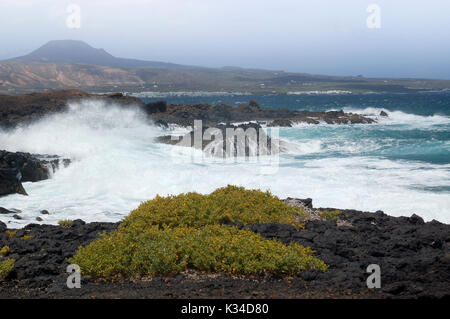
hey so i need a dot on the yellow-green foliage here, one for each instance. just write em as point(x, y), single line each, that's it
point(4, 251)
point(228, 204)
point(27, 237)
point(330, 215)
point(11, 233)
point(5, 267)
point(171, 250)
point(65, 223)
point(172, 234)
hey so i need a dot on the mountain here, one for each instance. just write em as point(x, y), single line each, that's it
point(72, 51)
point(75, 64)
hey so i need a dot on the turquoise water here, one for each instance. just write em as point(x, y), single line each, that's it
point(400, 165)
point(418, 128)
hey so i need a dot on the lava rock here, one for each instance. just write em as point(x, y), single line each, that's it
point(155, 107)
point(213, 115)
point(280, 123)
point(27, 108)
point(4, 211)
point(16, 168)
point(10, 182)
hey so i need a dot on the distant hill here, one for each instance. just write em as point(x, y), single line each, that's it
point(72, 51)
point(75, 64)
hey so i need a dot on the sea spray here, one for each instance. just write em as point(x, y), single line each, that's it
point(117, 165)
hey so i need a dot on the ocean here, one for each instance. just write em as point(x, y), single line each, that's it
point(400, 165)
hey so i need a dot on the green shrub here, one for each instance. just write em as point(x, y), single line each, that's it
point(4, 251)
point(6, 266)
point(213, 248)
point(168, 235)
point(228, 204)
point(330, 215)
point(27, 237)
point(65, 223)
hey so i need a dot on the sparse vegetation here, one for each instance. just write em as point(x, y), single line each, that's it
point(65, 223)
point(27, 237)
point(330, 215)
point(6, 266)
point(11, 233)
point(4, 251)
point(168, 235)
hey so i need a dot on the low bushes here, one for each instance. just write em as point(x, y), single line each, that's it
point(11, 233)
point(228, 204)
point(172, 234)
point(4, 251)
point(172, 250)
point(6, 266)
point(66, 223)
point(330, 214)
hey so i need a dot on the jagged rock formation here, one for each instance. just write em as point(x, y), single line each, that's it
point(18, 109)
point(184, 115)
point(16, 168)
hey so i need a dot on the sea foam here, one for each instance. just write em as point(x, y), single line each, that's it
point(117, 165)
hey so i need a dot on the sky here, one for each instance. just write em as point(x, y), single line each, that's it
point(403, 38)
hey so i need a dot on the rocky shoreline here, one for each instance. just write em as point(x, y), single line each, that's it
point(19, 167)
point(414, 257)
point(23, 109)
point(213, 115)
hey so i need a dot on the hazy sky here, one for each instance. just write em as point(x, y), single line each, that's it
point(314, 36)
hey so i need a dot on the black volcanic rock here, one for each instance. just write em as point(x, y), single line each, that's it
point(280, 123)
point(409, 251)
point(414, 260)
point(245, 140)
point(10, 182)
point(155, 107)
point(18, 109)
point(5, 211)
point(16, 168)
point(184, 115)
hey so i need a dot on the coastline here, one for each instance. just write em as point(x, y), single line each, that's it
point(413, 256)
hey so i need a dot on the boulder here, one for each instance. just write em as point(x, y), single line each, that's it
point(2, 227)
point(383, 113)
point(155, 107)
point(280, 123)
point(16, 168)
point(10, 182)
point(4, 211)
